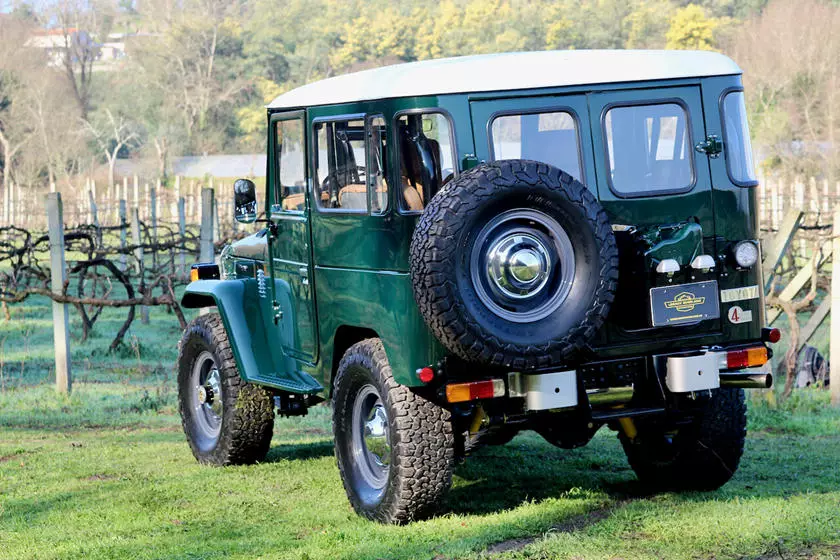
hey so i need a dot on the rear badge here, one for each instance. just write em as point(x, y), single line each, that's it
point(739, 294)
point(737, 315)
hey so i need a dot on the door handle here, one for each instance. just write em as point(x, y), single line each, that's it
point(304, 275)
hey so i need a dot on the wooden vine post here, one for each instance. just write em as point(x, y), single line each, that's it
point(61, 319)
point(834, 328)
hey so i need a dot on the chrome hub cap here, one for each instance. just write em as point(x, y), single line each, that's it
point(206, 401)
point(522, 265)
point(518, 265)
point(371, 444)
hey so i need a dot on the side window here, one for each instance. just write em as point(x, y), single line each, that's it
point(339, 157)
point(290, 191)
point(549, 137)
point(427, 160)
point(737, 146)
point(377, 171)
point(648, 148)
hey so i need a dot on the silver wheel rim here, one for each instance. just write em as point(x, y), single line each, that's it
point(522, 265)
point(206, 399)
point(370, 444)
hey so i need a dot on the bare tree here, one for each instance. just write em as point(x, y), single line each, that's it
point(112, 135)
point(790, 54)
point(83, 24)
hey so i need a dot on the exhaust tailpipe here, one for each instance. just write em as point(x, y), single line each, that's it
point(746, 380)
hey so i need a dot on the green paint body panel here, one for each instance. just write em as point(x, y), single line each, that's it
point(255, 348)
point(337, 270)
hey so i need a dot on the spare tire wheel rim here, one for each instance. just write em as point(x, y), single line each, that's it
point(522, 265)
point(370, 444)
point(207, 403)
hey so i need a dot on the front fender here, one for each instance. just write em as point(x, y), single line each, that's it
point(241, 310)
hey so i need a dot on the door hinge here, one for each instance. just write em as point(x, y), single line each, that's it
point(711, 146)
point(278, 313)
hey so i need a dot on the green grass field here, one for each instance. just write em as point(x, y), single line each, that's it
point(106, 473)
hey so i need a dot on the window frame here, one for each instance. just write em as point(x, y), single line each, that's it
point(275, 204)
point(371, 193)
point(456, 171)
point(549, 109)
point(689, 147)
point(722, 114)
point(314, 170)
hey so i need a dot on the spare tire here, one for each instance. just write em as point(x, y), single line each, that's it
point(514, 264)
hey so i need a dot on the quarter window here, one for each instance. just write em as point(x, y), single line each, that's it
point(549, 137)
point(291, 172)
point(737, 146)
point(339, 149)
point(648, 148)
point(377, 172)
point(427, 160)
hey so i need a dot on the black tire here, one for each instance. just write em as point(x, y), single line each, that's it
point(703, 455)
point(418, 433)
point(451, 289)
point(241, 433)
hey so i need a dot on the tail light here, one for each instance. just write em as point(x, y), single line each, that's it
point(746, 357)
point(462, 392)
point(771, 335)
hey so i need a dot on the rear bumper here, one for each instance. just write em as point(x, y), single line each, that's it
point(662, 381)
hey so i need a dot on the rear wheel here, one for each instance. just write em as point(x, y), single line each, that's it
point(395, 449)
point(702, 455)
point(227, 421)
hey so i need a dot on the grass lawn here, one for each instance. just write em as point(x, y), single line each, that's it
point(106, 473)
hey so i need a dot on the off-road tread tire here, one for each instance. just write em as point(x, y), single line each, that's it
point(708, 451)
point(422, 439)
point(433, 249)
point(248, 410)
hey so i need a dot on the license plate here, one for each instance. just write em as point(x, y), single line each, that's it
point(684, 304)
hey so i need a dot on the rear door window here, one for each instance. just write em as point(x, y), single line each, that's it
point(550, 137)
point(736, 140)
point(648, 149)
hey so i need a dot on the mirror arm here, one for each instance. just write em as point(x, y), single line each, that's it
point(272, 226)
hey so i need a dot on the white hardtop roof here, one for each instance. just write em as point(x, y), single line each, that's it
point(505, 72)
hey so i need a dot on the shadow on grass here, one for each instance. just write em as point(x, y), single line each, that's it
point(299, 451)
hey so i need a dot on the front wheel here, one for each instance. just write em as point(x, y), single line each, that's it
point(395, 449)
point(702, 455)
point(227, 420)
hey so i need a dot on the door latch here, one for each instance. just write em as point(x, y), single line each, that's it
point(304, 275)
point(711, 146)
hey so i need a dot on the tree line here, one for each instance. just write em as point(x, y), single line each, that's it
point(196, 73)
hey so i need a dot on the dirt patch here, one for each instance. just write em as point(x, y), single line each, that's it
point(101, 476)
point(572, 525)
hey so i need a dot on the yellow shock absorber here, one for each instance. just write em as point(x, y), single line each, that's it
point(628, 427)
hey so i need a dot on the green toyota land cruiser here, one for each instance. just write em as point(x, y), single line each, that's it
point(456, 250)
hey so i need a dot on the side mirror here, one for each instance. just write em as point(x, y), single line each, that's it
point(244, 201)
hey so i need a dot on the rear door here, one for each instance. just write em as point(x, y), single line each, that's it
point(651, 180)
point(648, 171)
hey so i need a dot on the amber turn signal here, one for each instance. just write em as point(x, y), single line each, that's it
point(746, 357)
point(462, 392)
